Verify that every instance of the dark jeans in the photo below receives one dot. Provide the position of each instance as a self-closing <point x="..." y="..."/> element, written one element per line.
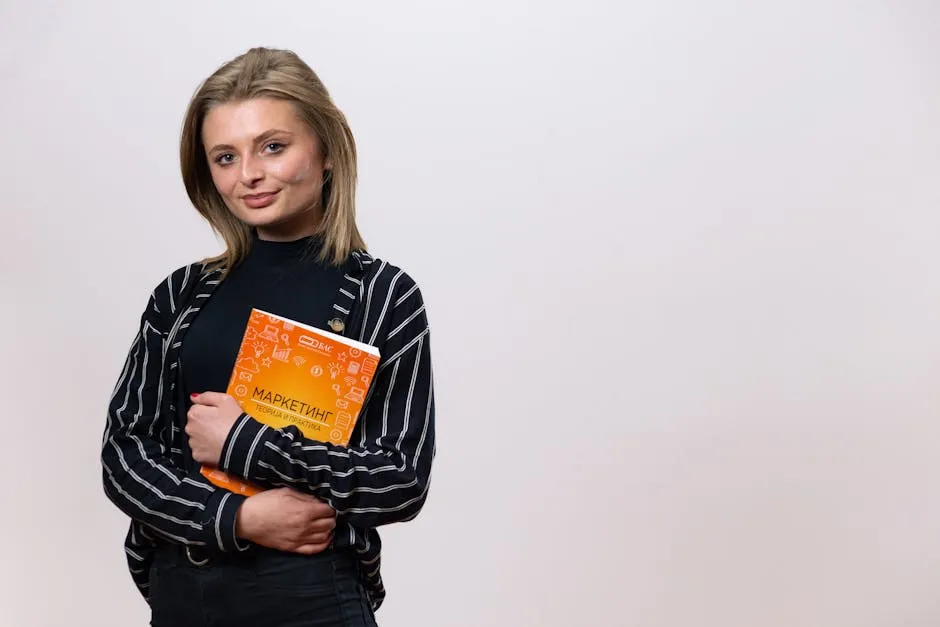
<point x="257" y="588"/>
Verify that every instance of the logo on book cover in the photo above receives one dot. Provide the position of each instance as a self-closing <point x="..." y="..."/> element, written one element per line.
<point x="308" y="341"/>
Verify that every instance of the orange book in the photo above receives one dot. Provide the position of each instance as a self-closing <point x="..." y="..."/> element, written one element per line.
<point x="289" y="373"/>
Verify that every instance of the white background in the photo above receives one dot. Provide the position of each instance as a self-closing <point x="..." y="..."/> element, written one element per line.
<point x="682" y="268"/>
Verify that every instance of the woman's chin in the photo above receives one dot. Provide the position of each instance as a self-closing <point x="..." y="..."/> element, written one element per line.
<point x="259" y="218"/>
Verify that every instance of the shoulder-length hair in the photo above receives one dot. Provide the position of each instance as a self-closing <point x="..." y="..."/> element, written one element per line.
<point x="280" y="74"/>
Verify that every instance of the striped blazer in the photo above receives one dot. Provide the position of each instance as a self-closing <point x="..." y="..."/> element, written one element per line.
<point x="382" y="477"/>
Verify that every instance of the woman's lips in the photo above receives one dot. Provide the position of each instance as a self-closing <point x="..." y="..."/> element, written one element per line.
<point x="258" y="201"/>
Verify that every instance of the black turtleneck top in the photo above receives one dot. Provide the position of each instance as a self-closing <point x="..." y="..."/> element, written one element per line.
<point x="283" y="278"/>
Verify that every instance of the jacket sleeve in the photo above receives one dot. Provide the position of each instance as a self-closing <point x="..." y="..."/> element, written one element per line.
<point x="138" y="476"/>
<point x="384" y="475"/>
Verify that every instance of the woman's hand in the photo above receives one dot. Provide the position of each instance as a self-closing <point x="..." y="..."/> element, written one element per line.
<point x="208" y="423"/>
<point x="286" y="520"/>
<point x="281" y="518"/>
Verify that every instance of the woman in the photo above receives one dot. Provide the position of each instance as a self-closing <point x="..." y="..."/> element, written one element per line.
<point x="270" y="163"/>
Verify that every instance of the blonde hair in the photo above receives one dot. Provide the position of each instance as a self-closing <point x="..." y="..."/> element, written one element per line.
<point x="280" y="74"/>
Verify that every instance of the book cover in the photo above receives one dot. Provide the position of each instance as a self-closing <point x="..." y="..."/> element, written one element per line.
<point x="289" y="373"/>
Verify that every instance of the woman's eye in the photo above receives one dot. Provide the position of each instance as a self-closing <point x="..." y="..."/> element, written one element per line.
<point x="274" y="147"/>
<point x="224" y="158"/>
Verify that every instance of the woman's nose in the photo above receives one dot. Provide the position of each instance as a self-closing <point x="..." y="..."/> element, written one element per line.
<point x="251" y="171"/>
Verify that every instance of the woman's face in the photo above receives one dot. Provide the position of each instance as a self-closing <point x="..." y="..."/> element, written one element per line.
<point x="267" y="166"/>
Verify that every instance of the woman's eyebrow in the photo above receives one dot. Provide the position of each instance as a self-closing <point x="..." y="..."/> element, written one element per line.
<point x="257" y="140"/>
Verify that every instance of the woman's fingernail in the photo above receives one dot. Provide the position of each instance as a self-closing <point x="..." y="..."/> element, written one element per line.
<point x="194" y="395"/>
